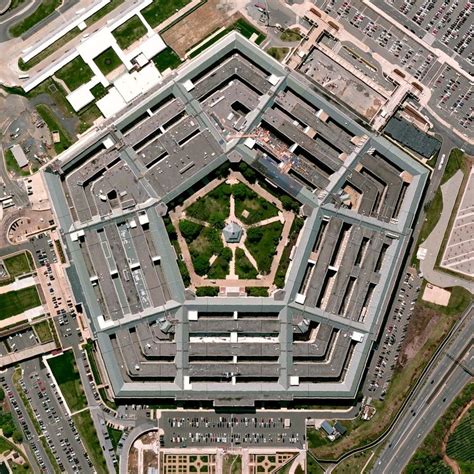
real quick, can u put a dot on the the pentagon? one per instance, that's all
(311, 339)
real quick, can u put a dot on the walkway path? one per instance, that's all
(433, 243)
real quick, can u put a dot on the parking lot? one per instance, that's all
(58, 428)
(386, 356)
(260, 429)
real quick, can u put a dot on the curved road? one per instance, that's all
(455, 368)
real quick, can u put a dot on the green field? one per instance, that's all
(115, 436)
(262, 243)
(107, 61)
(277, 53)
(43, 331)
(258, 208)
(44, 10)
(85, 426)
(256, 291)
(243, 268)
(12, 165)
(54, 125)
(15, 302)
(75, 73)
(129, 32)
(18, 264)
(65, 372)
(207, 291)
(461, 443)
(159, 10)
(291, 35)
(166, 59)
(213, 207)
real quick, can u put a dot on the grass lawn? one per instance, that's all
(98, 91)
(312, 466)
(75, 73)
(258, 208)
(458, 302)
(456, 161)
(43, 331)
(316, 438)
(88, 116)
(159, 10)
(167, 59)
(12, 165)
(18, 264)
(232, 464)
(115, 436)
(92, 362)
(291, 35)
(54, 125)
(354, 464)
(256, 291)
(214, 207)
(207, 291)
(129, 32)
(243, 268)
(202, 248)
(15, 302)
(262, 243)
(107, 61)
(65, 372)
(45, 9)
(85, 426)
(285, 256)
(220, 267)
(277, 53)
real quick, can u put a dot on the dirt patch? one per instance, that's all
(133, 461)
(419, 329)
(197, 26)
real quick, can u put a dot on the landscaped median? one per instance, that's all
(43, 11)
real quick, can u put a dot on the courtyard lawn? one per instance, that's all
(248, 200)
(257, 291)
(262, 243)
(18, 264)
(15, 302)
(108, 61)
(213, 207)
(291, 35)
(54, 125)
(65, 372)
(207, 291)
(75, 73)
(159, 10)
(167, 59)
(129, 32)
(220, 267)
(243, 268)
(277, 53)
(43, 331)
(44, 10)
(207, 244)
(85, 426)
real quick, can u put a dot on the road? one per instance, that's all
(442, 386)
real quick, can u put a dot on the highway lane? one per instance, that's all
(441, 388)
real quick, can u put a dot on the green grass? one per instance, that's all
(75, 73)
(256, 291)
(12, 165)
(258, 208)
(280, 275)
(291, 35)
(428, 457)
(458, 302)
(210, 42)
(15, 302)
(85, 426)
(243, 268)
(207, 291)
(99, 91)
(203, 247)
(49, 50)
(220, 267)
(262, 243)
(18, 264)
(54, 125)
(277, 53)
(43, 331)
(214, 207)
(456, 161)
(108, 61)
(44, 10)
(103, 11)
(167, 59)
(316, 438)
(129, 32)
(89, 347)
(159, 10)
(88, 115)
(115, 436)
(461, 443)
(65, 372)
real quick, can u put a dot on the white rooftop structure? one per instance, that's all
(111, 103)
(80, 97)
(132, 85)
(152, 46)
(19, 155)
